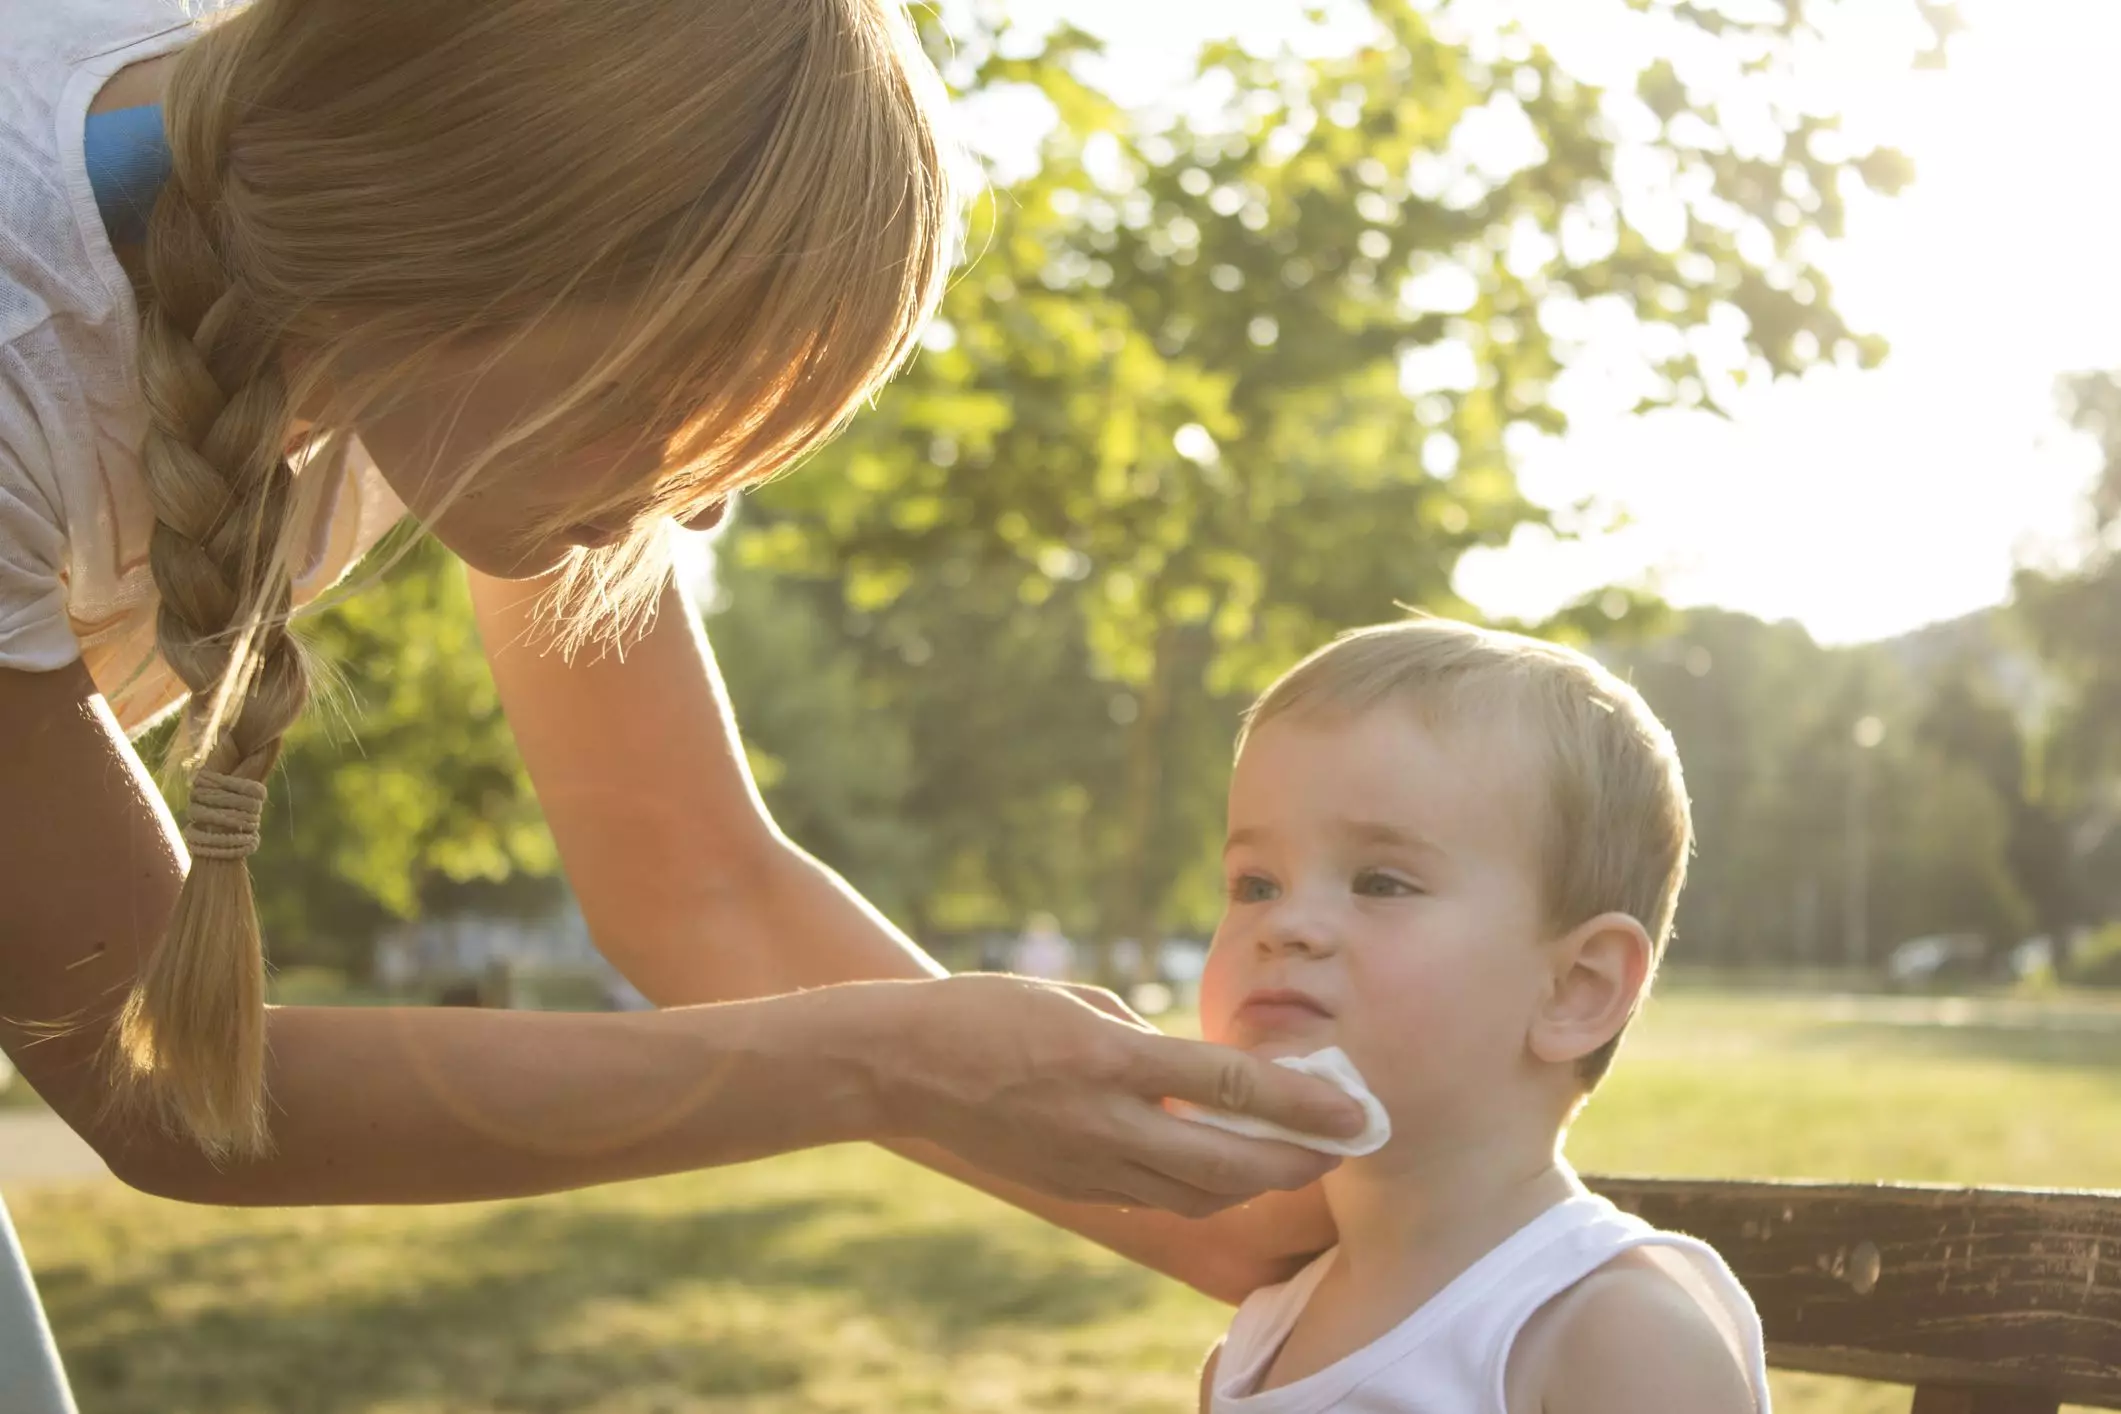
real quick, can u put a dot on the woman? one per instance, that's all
(551, 275)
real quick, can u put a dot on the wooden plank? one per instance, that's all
(1958, 1399)
(1917, 1285)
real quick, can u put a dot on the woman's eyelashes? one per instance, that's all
(708, 517)
(594, 535)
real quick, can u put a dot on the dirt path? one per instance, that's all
(37, 1147)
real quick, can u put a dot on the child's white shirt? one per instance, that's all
(1451, 1355)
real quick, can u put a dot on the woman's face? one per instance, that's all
(426, 439)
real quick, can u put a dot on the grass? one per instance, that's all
(843, 1280)
(16, 1095)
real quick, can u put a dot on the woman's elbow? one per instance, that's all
(149, 1160)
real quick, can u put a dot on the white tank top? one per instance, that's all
(1451, 1355)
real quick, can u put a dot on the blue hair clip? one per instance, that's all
(128, 161)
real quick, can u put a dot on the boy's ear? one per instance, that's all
(1596, 975)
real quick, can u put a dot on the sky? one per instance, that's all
(1860, 503)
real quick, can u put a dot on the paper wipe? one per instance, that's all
(1332, 1066)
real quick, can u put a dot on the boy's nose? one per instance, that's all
(1299, 926)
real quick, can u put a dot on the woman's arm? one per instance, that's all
(1228, 1256)
(695, 895)
(437, 1105)
(371, 1106)
(667, 844)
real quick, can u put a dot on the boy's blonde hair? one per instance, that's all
(757, 195)
(1617, 830)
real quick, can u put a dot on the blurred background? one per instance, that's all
(1759, 347)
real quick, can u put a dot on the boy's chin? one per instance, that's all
(1273, 1046)
(1272, 1042)
(1282, 1047)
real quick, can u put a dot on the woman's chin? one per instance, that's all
(508, 562)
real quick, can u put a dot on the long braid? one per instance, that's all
(193, 1032)
(389, 188)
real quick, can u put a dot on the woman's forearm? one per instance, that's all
(462, 1104)
(817, 931)
(373, 1106)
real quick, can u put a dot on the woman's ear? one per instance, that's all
(1597, 975)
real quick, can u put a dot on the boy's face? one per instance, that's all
(1384, 897)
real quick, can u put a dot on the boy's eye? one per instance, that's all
(1251, 888)
(1372, 883)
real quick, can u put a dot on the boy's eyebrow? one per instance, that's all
(1363, 831)
(1383, 832)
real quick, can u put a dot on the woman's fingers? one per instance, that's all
(1110, 1004)
(1219, 1164)
(1062, 1088)
(1224, 1078)
(1160, 1190)
(1140, 1186)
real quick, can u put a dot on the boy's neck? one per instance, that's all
(1412, 1218)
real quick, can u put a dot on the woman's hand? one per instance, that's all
(1062, 1088)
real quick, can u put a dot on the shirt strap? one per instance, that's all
(128, 161)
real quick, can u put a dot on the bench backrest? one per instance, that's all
(1988, 1301)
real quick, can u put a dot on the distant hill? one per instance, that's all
(1984, 637)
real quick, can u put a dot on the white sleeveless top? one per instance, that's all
(1451, 1355)
(74, 516)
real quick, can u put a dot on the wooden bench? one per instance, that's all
(1985, 1300)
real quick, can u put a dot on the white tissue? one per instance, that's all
(1332, 1066)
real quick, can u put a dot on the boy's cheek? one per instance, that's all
(1220, 987)
(1422, 1048)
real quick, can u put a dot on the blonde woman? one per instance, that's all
(551, 274)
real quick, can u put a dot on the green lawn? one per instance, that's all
(844, 1280)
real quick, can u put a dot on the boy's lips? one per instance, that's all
(1281, 1008)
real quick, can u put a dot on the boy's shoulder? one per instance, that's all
(1627, 1337)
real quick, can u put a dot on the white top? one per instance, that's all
(1333, 1066)
(1451, 1355)
(74, 516)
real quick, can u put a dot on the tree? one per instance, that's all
(1966, 720)
(1845, 799)
(831, 757)
(401, 789)
(2072, 618)
(1216, 388)
(1210, 390)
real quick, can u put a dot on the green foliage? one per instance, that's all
(2071, 617)
(1217, 388)
(1212, 389)
(1813, 847)
(402, 786)
(833, 760)
(2096, 961)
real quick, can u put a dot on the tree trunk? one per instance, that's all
(1129, 910)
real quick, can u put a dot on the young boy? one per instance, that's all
(1454, 855)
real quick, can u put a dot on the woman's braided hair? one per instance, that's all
(359, 184)
(218, 479)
